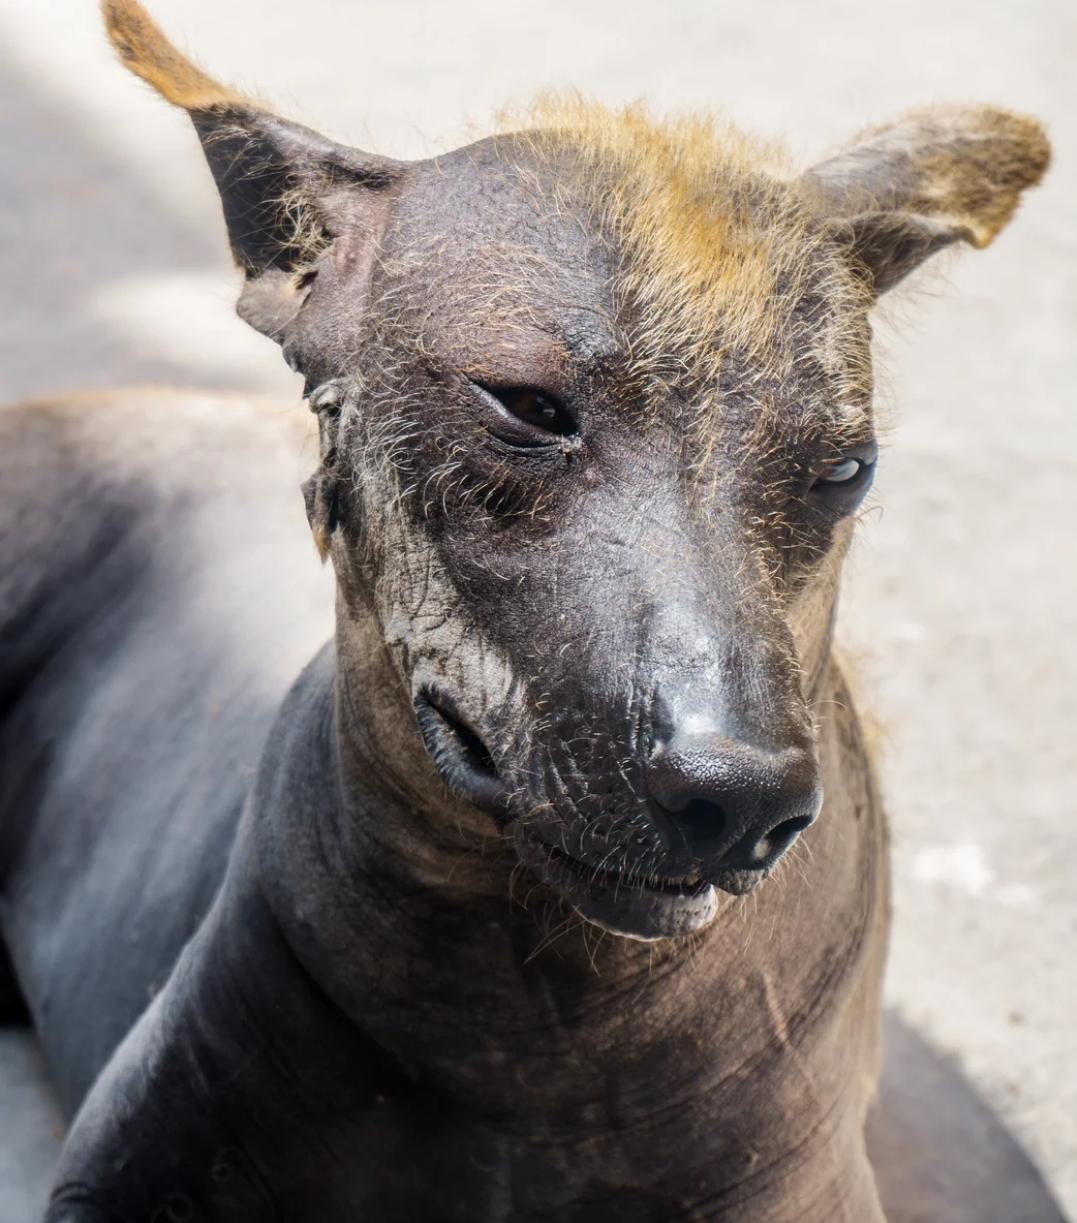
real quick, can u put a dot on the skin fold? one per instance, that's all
(555, 886)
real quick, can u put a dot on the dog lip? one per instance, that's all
(677, 886)
(457, 751)
(643, 910)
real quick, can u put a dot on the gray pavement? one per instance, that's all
(961, 609)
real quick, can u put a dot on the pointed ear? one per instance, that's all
(287, 192)
(905, 190)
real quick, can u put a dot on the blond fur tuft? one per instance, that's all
(717, 247)
(145, 50)
(963, 165)
(978, 179)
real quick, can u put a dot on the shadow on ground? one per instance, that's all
(941, 1153)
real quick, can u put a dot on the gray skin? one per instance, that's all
(365, 1024)
(458, 928)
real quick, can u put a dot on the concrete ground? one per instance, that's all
(962, 599)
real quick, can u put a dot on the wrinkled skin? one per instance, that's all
(412, 1043)
(608, 578)
(483, 946)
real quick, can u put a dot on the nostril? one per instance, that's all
(702, 819)
(728, 805)
(774, 843)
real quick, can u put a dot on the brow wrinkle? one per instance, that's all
(719, 258)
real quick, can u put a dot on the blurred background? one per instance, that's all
(961, 604)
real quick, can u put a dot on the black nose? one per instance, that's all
(730, 805)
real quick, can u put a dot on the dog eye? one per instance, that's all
(842, 484)
(845, 472)
(535, 408)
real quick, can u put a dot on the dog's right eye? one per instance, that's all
(538, 410)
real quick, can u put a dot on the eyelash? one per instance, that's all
(536, 409)
(544, 415)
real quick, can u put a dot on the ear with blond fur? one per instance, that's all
(287, 192)
(907, 189)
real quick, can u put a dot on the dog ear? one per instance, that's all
(287, 192)
(905, 190)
